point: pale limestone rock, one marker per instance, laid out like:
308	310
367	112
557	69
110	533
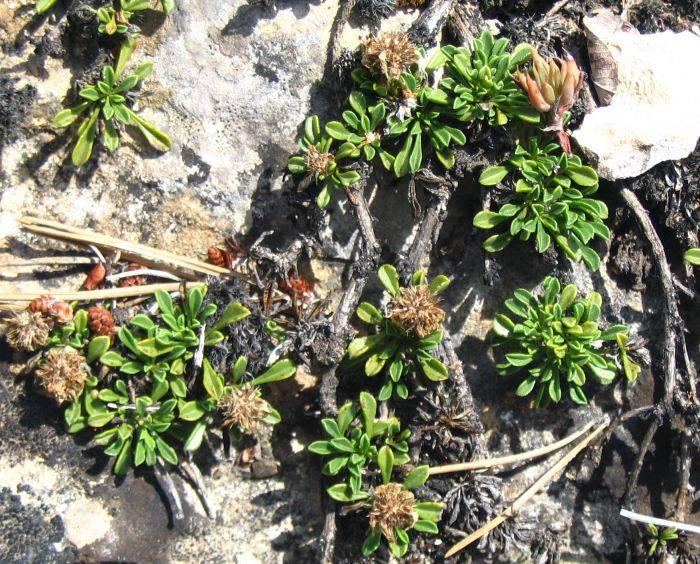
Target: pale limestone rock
653	115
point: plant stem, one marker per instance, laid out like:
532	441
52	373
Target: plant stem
510	459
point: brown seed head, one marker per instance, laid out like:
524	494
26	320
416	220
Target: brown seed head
62	374
131	280
317	162
28	330
410	3
101	321
96	277
392	508
60	311
243	407
389	54
297	286
415	310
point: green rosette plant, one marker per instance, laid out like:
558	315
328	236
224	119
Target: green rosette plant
549	199
418	114
236	405
320	165
658	539
106	105
43	6
558	342
405	335
161	348
117	21
357	438
137	432
480	85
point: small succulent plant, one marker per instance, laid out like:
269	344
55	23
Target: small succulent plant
480	85
322	166
660	538
549	200
237	405
355	439
557	341
106	104
405	334
552	85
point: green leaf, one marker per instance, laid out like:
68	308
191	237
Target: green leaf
358	102
372	542
100	419
429	510
97	347
577	396
369	314
439	283
127	49
342	444
156	138
324	197
416	477
166	451
488	220
498	242
389	278
425	526
112	359
234	313
335	465
124	459
519	359
526	386
368	405
65	117
692	256
434	370
582	175
43	6
337	130
213	382
280	370
83	146
331	427
385	461
320	447
415	158
195	438
492	175
341	492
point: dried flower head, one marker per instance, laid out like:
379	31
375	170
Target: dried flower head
389	54
60	311
552	89
317	163
28	330
101	321
96	277
131	280
243	407
392	508
296	286
415	310
62	374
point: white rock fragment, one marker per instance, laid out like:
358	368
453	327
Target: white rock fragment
86	521
653	114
